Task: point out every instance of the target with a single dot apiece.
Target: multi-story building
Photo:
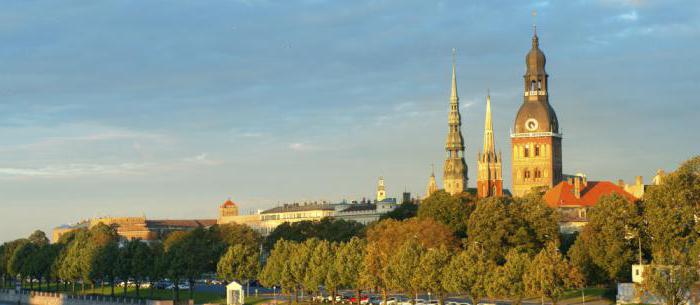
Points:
(535, 138)
(136, 227)
(574, 197)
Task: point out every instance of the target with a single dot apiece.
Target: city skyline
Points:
(171, 109)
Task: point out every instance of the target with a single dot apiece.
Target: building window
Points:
(538, 173)
(526, 175)
(537, 150)
(526, 152)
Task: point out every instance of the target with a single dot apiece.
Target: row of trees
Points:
(97, 256)
(416, 256)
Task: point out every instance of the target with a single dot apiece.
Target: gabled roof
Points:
(563, 194)
(360, 207)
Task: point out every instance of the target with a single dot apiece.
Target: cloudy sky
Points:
(166, 108)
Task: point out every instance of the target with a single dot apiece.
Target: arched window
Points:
(532, 86)
(538, 173)
(537, 150)
(526, 174)
(526, 152)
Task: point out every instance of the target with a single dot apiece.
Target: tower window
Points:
(532, 86)
(538, 173)
(526, 152)
(537, 150)
(526, 174)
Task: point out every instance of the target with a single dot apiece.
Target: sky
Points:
(168, 108)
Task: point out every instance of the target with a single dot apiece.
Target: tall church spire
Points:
(455, 171)
(489, 147)
(489, 180)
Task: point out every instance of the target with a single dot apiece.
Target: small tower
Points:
(228, 208)
(432, 185)
(489, 181)
(381, 193)
(455, 171)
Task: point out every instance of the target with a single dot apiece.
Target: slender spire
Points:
(453, 96)
(488, 128)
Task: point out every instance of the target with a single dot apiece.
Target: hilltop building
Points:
(535, 138)
(639, 188)
(489, 180)
(455, 170)
(136, 227)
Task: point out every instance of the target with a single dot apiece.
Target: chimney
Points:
(640, 180)
(577, 187)
(621, 183)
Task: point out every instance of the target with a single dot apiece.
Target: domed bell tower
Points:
(535, 138)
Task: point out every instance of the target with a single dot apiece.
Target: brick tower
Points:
(489, 181)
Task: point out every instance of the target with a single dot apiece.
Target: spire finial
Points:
(534, 22)
(453, 96)
(433, 172)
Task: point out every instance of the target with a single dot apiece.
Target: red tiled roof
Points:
(563, 194)
(228, 204)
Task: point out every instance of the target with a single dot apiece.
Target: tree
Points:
(509, 278)
(277, 270)
(550, 275)
(350, 262)
(536, 224)
(606, 237)
(387, 235)
(671, 284)
(404, 211)
(669, 210)
(403, 269)
(241, 262)
(38, 238)
(448, 210)
(433, 272)
(189, 254)
(321, 260)
(492, 227)
(20, 263)
(330, 229)
(468, 273)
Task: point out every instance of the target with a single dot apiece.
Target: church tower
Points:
(535, 138)
(489, 181)
(432, 185)
(381, 193)
(455, 174)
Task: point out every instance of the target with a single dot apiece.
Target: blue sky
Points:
(166, 108)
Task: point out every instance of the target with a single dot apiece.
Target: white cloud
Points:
(75, 170)
(301, 147)
(629, 16)
(202, 159)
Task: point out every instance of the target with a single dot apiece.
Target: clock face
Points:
(531, 124)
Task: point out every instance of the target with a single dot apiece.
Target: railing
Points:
(534, 134)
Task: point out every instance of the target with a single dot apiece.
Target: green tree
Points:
(403, 268)
(448, 210)
(550, 275)
(241, 262)
(350, 262)
(492, 227)
(468, 273)
(321, 260)
(607, 236)
(669, 210)
(404, 211)
(330, 229)
(509, 278)
(535, 223)
(276, 271)
(433, 272)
